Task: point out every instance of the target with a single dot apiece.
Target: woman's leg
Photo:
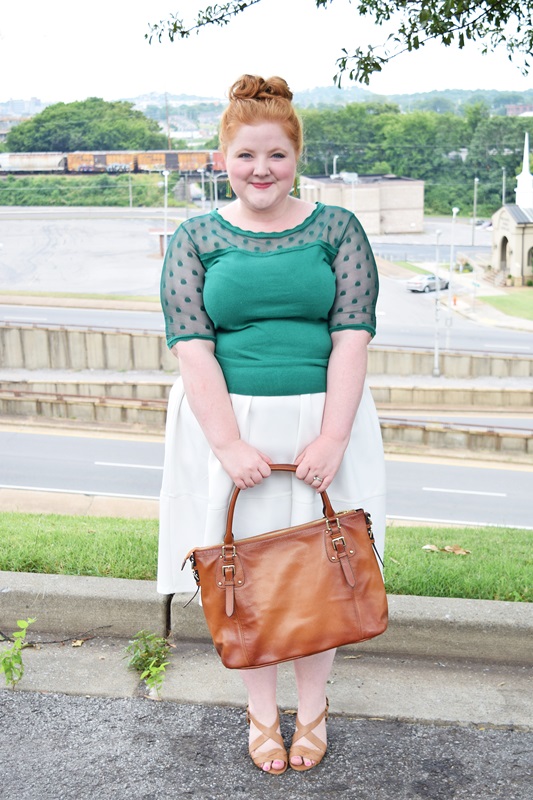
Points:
(261, 684)
(312, 674)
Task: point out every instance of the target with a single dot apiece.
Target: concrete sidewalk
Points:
(438, 708)
(441, 660)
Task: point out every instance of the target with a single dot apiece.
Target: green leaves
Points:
(148, 656)
(11, 663)
(92, 124)
(492, 24)
(219, 14)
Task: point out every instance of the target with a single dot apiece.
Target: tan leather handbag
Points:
(293, 592)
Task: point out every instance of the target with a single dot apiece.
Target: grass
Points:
(517, 303)
(87, 296)
(499, 566)
(412, 267)
(100, 546)
(87, 190)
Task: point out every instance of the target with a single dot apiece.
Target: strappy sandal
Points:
(276, 754)
(306, 731)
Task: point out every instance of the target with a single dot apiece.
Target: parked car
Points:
(426, 283)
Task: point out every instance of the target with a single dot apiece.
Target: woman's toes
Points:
(297, 761)
(276, 764)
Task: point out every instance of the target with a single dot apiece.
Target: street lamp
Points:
(215, 177)
(335, 158)
(455, 211)
(201, 170)
(165, 175)
(503, 186)
(476, 181)
(436, 368)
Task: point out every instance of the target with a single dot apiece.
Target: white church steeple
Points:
(524, 187)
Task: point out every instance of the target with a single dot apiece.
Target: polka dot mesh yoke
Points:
(201, 241)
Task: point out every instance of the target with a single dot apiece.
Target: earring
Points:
(295, 187)
(229, 190)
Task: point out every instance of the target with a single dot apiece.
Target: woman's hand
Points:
(245, 465)
(322, 458)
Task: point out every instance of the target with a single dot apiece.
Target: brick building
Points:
(383, 203)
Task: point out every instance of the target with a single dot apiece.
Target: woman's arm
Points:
(210, 402)
(345, 380)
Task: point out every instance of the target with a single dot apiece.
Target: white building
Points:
(512, 231)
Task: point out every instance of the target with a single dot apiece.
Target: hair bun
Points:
(253, 87)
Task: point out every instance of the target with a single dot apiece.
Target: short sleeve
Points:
(182, 284)
(357, 282)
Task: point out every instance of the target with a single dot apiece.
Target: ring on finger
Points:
(316, 478)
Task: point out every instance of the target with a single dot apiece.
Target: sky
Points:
(65, 51)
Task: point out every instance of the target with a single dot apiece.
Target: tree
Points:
(352, 132)
(92, 124)
(450, 22)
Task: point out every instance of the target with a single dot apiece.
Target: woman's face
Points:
(261, 165)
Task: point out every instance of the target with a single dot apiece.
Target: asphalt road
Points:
(56, 747)
(404, 319)
(417, 489)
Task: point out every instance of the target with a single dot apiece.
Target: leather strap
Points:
(326, 504)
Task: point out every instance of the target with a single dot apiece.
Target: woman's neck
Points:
(292, 213)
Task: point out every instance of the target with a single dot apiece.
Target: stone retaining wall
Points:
(30, 347)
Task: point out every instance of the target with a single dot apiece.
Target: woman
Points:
(269, 306)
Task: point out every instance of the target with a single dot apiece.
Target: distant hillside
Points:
(332, 96)
(162, 99)
(455, 99)
(448, 100)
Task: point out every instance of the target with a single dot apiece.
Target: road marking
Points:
(25, 319)
(87, 492)
(131, 466)
(426, 520)
(463, 491)
(506, 347)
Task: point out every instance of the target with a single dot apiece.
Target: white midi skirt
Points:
(195, 491)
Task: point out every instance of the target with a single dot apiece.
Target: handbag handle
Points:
(326, 504)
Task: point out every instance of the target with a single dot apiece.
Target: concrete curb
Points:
(486, 630)
(73, 605)
(480, 630)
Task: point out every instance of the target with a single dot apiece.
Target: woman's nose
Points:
(261, 167)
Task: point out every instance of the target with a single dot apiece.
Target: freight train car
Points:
(32, 162)
(193, 160)
(187, 161)
(158, 160)
(219, 165)
(100, 161)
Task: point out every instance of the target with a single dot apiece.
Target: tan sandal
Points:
(276, 754)
(306, 731)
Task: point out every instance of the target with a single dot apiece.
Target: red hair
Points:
(253, 100)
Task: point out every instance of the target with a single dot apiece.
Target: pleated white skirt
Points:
(195, 491)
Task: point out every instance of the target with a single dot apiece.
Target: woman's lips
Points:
(261, 185)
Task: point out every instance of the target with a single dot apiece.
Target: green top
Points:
(270, 301)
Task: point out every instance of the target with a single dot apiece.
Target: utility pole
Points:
(168, 124)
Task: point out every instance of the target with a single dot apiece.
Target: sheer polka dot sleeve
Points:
(182, 283)
(357, 282)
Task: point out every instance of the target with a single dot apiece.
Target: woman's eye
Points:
(278, 155)
(245, 155)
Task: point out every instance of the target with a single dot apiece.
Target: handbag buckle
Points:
(233, 552)
(328, 526)
(340, 539)
(228, 566)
